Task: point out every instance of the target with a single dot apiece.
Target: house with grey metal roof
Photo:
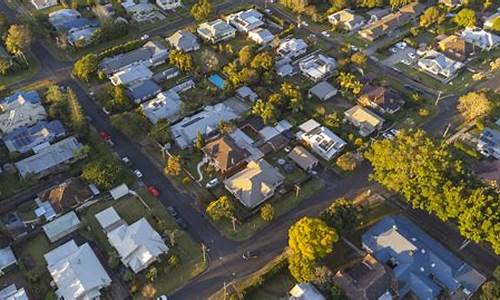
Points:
(61, 227)
(7, 259)
(322, 91)
(166, 105)
(216, 31)
(49, 157)
(184, 41)
(246, 20)
(143, 91)
(23, 139)
(422, 266)
(21, 109)
(261, 36)
(11, 292)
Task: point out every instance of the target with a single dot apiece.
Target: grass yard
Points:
(10, 184)
(16, 77)
(274, 288)
(281, 206)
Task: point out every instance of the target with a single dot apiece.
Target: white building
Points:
(305, 291)
(168, 4)
(347, 19)
(22, 109)
(317, 67)
(132, 75)
(246, 20)
(261, 36)
(292, 48)
(480, 38)
(62, 226)
(166, 105)
(11, 292)
(42, 4)
(437, 63)
(322, 140)
(138, 244)
(76, 271)
(216, 31)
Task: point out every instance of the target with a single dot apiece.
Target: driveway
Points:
(397, 57)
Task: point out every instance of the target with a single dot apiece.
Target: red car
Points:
(153, 191)
(104, 135)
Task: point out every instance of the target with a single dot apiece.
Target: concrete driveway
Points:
(401, 54)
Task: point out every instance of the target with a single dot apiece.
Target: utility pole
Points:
(204, 250)
(225, 290)
(297, 190)
(438, 98)
(233, 221)
(446, 130)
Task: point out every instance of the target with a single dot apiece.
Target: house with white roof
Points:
(61, 227)
(216, 31)
(42, 4)
(184, 41)
(317, 66)
(322, 140)
(347, 19)
(7, 259)
(246, 20)
(292, 48)
(132, 75)
(480, 38)
(168, 4)
(11, 292)
(204, 122)
(439, 64)
(305, 291)
(76, 271)
(261, 36)
(166, 105)
(48, 157)
(22, 109)
(137, 244)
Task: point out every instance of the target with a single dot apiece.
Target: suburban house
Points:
(455, 47)
(76, 271)
(67, 195)
(317, 67)
(7, 260)
(225, 155)
(254, 184)
(480, 38)
(261, 36)
(22, 109)
(184, 41)
(322, 140)
(24, 139)
(76, 29)
(42, 4)
(322, 91)
(61, 227)
(168, 4)
(132, 75)
(305, 160)
(292, 48)
(49, 157)
(143, 90)
(142, 11)
(166, 105)
(365, 120)
(305, 291)
(247, 93)
(489, 142)
(422, 266)
(204, 122)
(246, 20)
(150, 54)
(216, 31)
(367, 279)
(104, 11)
(376, 14)
(439, 64)
(390, 22)
(11, 292)
(347, 19)
(137, 244)
(383, 99)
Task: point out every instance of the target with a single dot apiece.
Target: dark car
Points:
(172, 211)
(182, 223)
(249, 255)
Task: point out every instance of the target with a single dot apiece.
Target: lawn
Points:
(16, 77)
(274, 288)
(10, 184)
(281, 206)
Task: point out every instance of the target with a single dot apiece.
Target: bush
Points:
(424, 112)
(347, 162)
(467, 150)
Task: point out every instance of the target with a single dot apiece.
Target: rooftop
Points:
(23, 139)
(61, 226)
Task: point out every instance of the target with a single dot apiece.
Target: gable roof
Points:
(62, 226)
(225, 151)
(386, 99)
(11, 292)
(109, 219)
(364, 116)
(7, 258)
(183, 40)
(23, 139)
(254, 184)
(67, 194)
(303, 158)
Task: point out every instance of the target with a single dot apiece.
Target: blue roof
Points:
(23, 139)
(146, 90)
(31, 96)
(417, 259)
(67, 25)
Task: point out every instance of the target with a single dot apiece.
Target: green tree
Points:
(160, 132)
(262, 61)
(130, 123)
(348, 82)
(474, 105)
(120, 100)
(151, 274)
(173, 166)
(4, 23)
(465, 18)
(323, 278)
(275, 99)
(333, 120)
(249, 76)
(370, 3)
(201, 10)
(221, 208)
(113, 259)
(431, 16)
(85, 67)
(75, 113)
(18, 39)
(490, 291)
(265, 110)
(496, 24)
(5, 65)
(359, 59)
(173, 260)
(298, 6)
(398, 3)
(200, 141)
(267, 212)
(245, 55)
(104, 172)
(347, 162)
(183, 61)
(341, 215)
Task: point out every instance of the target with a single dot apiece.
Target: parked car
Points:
(249, 254)
(387, 135)
(182, 223)
(412, 55)
(212, 183)
(153, 191)
(287, 149)
(325, 33)
(401, 45)
(394, 131)
(105, 111)
(162, 297)
(137, 173)
(172, 211)
(267, 10)
(126, 161)
(106, 137)
(406, 62)
(144, 37)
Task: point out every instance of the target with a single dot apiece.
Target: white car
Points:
(354, 48)
(387, 135)
(394, 131)
(126, 161)
(305, 23)
(162, 297)
(393, 50)
(144, 37)
(325, 33)
(406, 62)
(412, 55)
(137, 173)
(212, 183)
(267, 10)
(401, 45)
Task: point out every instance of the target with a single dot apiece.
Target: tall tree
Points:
(173, 166)
(85, 67)
(348, 82)
(104, 172)
(398, 3)
(201, 10)
(120, 101)
(267, 212)
(160, 132)
(431, 16)
(341, 215)
(18, 39)
(298, 6)
(265, 110)
(75, 112)
(200, 141)
(474, 105)
(359, 59)
(465, 18)
(5, 65)
(221, 208)
(245, 55)
(262, 61)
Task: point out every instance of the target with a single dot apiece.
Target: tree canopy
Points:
(221, 208)
(201, 10)
(465, 18)
(85, 67)
(341, 215)
(474, 105)
(18, 39)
